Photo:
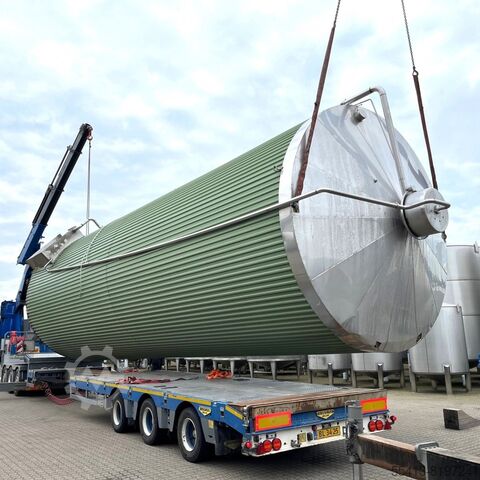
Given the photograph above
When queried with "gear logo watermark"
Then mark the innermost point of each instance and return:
(80, 368)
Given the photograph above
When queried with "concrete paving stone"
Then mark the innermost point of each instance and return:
(42, 440)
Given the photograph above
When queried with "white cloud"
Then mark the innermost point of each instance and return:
(175, 89)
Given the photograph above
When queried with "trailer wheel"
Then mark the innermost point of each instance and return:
(191, 441)
(17, 378)
(119, 418)
(148, 423)
(9, 376)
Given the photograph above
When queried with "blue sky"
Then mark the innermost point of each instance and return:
(174, 89)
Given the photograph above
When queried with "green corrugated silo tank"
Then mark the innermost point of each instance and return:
(326, 275)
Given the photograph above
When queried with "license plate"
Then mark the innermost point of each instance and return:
(328, 432)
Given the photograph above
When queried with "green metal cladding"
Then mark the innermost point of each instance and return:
(230, 292)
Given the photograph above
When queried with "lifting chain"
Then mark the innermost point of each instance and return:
(416, 82)
(321, 84)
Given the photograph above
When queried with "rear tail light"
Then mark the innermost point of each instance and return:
(372, 425)
(267, 446)
(277, 444)
(393, 418)
(260, 450)
(248, 445)
(388, 425)
(379, 425)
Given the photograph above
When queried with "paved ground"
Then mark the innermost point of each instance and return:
(40, 440)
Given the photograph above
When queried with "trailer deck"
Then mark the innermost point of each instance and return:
(234, 413)
(239, 391)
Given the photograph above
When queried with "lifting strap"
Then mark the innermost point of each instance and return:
(321, 84)
(89, 138)
(416, 82)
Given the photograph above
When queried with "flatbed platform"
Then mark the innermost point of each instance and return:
(237, 391)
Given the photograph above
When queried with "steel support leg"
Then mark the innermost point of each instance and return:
(380, 374)
(310, 375)
(299, 368)
(413, 381)
(187, 365)
(251, 368)
(402, 377)
(468, 381)
(202, 366)
(448, 379)
(273, 368)
(330, 374)
(354, 378)
(232, 366)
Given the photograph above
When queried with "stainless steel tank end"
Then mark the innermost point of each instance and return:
(426, 219)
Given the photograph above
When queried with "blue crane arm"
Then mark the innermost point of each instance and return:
(53, 194)
(47, 206)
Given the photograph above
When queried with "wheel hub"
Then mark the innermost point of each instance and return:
(189, 434)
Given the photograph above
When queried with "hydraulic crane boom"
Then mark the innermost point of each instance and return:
(53, 193)
(47, 206)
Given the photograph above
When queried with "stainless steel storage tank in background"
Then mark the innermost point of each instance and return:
(463, 288)
(443, 351)
(331, 364)
(379, 364)
(194, 273)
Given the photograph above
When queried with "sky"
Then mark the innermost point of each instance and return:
(176, 88)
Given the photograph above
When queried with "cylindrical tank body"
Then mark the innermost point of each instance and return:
(443, 345)
(328, 275)
(463, 288)
(339, 361)
(368, 362)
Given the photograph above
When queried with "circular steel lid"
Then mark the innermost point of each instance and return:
(371, 281)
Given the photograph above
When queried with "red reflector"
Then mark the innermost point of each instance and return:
(393, 418)
(374, 405)
(388, 425)
(267, 446)
(248, 445)
(372, 425)
(260, 450)
(277, 444)
(379, 425)
(272, 421)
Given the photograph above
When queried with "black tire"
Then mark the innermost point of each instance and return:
(17, 379)
(191, 440)
(10, 377)
(148, 424)
(3, 375)
(120, 421)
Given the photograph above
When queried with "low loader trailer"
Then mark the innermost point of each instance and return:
(219, 416)
(256, 417)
